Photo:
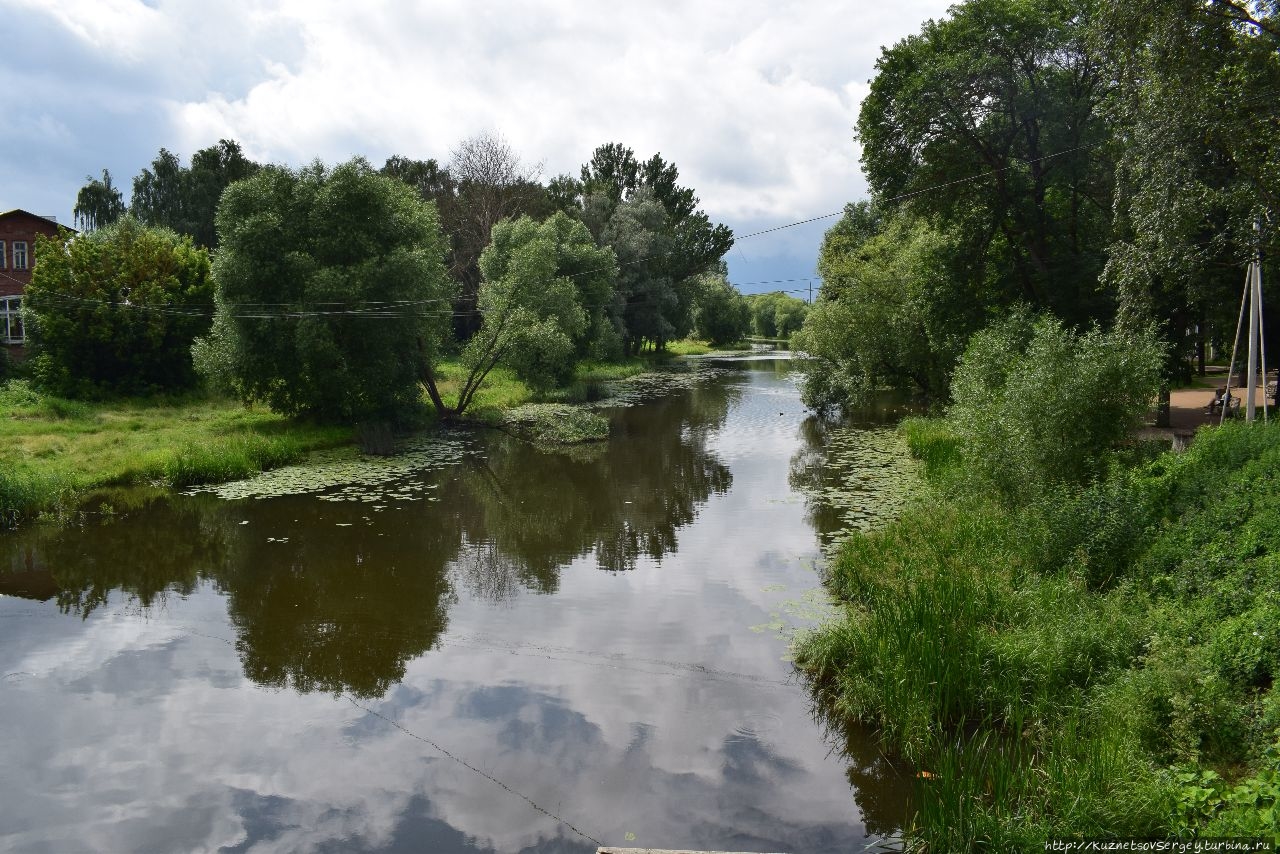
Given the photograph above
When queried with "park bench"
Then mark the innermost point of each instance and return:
(1221, 395)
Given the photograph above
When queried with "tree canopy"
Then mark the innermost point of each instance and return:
(185, 199)
(331, 291)
(1087, 158)
(116, 309)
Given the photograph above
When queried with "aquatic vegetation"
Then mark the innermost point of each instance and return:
(344, 474)
(646, 386)
(556, 423)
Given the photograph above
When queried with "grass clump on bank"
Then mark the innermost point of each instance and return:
(53, 450)
(1067, 640)
(1082, 665)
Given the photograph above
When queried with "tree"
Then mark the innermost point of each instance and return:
(116, 309)
(186, 199)
(543, 284)
(493, 184)
(99, 203)
(721, 314)
(988, 124)
(663, 242)
(776, 315)
(892, 312)
(1200, 165)
(331, 290)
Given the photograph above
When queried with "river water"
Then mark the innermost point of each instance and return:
(520, 651)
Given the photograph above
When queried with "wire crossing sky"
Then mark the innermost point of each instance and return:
(755, 102)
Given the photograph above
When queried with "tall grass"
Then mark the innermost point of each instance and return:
(53, 451)
(1049, 666)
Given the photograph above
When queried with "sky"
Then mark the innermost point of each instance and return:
(753, 100)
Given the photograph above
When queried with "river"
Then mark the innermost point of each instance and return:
(506, 650)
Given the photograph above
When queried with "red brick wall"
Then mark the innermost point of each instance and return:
(20, 225)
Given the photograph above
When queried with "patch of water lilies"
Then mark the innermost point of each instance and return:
(556, 423)
(344, 474)
(792, 616)
(651, 384)
(868, 476)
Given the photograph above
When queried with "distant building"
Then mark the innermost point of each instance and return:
(18, 230)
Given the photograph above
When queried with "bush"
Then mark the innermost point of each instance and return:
(114, 311)
(1037, 404)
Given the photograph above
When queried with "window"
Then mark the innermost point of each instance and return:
(19, 254)
(11, 331)
(3, 259)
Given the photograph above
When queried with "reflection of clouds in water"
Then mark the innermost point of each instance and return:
(662, 756)
(636, 701)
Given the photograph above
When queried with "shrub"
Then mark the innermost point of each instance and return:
(115, 310)
(1037, 404)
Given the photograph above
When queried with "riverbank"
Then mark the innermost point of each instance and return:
(54, 451)
(1100, 663)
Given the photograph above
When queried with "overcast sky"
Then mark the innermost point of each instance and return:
(754, 101)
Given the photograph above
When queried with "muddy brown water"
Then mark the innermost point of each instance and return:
(564, 649)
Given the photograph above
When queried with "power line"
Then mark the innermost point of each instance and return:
(386, 313)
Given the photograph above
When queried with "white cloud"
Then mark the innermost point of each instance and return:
(754, 101)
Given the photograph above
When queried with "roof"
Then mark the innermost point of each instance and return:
(48, 219)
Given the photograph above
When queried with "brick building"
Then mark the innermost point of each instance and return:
(18, 230)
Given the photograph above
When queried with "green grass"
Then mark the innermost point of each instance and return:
(1059, 669)
(54, 450)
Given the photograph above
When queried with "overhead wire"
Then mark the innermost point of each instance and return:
(257, 310)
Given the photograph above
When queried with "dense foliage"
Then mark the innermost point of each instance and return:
(776, 314)
(1082, 157)
(721, 315)
(1038, 406)
(331, 291)
(116, 310)
(892, 312)
(1098, 662)
(543, 294)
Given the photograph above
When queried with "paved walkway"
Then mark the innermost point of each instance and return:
(1187, 406)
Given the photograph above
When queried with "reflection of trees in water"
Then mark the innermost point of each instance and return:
(809, 475)
(337, 607)
(327, 596)
(883, 788)
(532, 512)
(157, 547)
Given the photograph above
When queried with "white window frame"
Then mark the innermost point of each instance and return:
(26, 256)
(11, 319)
(4, 259)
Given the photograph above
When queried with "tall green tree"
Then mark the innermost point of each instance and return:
(662, 239)
(331, 290)
(99, 203)
(987, 123)
(185, 199)
(116, 310)
(892, 312)
(776, 315)
(721, 315)
(543, 285)
(1200, 164)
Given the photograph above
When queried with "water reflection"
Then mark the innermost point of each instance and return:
(416, 696)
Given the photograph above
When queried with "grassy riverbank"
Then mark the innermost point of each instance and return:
(1098, 662)
(53, 450)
